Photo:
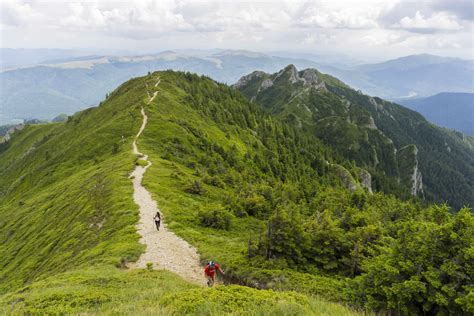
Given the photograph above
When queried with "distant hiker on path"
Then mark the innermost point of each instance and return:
(210, 272)
(157, 219)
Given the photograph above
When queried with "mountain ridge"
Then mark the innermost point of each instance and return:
(279, 209)
(83, 82)
(338, 109)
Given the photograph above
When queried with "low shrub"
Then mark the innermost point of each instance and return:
(215, 217)
(234, 299)
(196, 188)
(214, 181)
(65, 303)
(276, 275)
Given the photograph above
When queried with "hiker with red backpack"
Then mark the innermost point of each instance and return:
(210, 272)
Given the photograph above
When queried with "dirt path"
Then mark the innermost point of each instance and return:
(163, 248)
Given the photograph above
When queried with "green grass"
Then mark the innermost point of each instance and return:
(105, 290)
(168, 178)
(65, 196)
(68, 218)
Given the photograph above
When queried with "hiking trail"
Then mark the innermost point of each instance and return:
(163, 248)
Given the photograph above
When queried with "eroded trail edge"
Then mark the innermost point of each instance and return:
(163, 248)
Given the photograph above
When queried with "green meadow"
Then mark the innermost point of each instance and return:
(245, 188)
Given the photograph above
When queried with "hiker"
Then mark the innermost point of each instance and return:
(157, 219)
(210, 272)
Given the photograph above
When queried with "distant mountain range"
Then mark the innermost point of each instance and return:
(66, 81)
(69, 85)
(451, 110)
(411, 76)
(25, 57)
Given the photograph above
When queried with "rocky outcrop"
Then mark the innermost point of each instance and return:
(408, 167)
(416, 178)
(246, 79)
(376, 105)
(417, 181)
(370, 124)
(291, 69)
(9, 133)
(365, 179)
(267, 83)
(309, 77)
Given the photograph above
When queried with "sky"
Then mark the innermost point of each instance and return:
(370, 29)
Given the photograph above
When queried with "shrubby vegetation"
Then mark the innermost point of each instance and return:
(293, 216)
(369, 131)
(426, 267)
(65, 197)
(106, 290)
(215, 217)
(256, 194)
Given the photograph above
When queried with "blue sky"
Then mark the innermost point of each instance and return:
(362, 29)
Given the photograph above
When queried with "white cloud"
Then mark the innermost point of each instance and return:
(317, 39)
(135, 18)
(437, 21)
(344, 14)
(364, 26)
(381, 38)
(17, 13)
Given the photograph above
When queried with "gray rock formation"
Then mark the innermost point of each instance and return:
(246, 79)
(408, 167)
(416, 178)
(365, 179)
(9, 133)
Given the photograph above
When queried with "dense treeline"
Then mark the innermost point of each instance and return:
(259, 194)
(446, 163)
(389, 254)
(275, 151)
(403, 258)
(369, 131)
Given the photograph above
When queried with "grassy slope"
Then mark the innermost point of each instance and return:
(106, 290)
(66, 204)
(66, 193)
(168, 178)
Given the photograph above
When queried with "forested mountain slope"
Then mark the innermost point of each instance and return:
(278, 208)
(66, 203)
(404, 153)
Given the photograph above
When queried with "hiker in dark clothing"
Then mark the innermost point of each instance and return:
(157, 219)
